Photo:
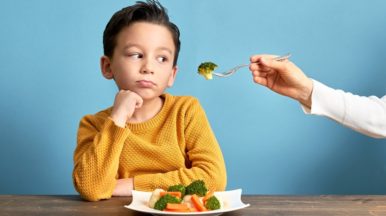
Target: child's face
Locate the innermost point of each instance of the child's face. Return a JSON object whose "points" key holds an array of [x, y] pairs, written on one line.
{"points": [[142, 61]]}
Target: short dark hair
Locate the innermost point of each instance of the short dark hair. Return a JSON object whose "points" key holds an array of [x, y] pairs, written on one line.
{"points": [[150, 11]]}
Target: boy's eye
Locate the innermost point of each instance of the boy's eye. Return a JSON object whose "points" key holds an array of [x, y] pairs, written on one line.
{"points": [[162, 59], [135, 55]]}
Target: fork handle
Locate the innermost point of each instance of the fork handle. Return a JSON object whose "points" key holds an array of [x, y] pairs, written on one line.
{"points": [[283, 57]]}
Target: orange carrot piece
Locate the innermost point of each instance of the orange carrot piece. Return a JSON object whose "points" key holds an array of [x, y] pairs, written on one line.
{"points": [[181, 210], [177, 210], [173, 193], [193, 209], [177, 206], [197, 203]]}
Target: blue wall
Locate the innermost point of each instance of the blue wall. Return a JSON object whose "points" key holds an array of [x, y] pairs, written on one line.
{"points": [[50, 78]]}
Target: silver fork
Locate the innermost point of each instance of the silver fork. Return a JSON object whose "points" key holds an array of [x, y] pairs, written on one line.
{"points": [[233, 70]]}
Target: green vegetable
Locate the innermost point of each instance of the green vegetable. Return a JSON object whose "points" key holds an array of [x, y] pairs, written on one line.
{"points": [[161, 203], [197, 187], [179, 188], [206, 69], [212, 203]]}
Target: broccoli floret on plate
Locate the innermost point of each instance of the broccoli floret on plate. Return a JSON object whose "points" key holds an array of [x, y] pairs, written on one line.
{"points": [[197, 187], [212, 203], [206, 69], [179, 188], [161, 203]]}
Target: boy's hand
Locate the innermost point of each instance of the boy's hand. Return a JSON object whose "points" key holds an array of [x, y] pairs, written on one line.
{"points": [[124, 187], [124, 106]]}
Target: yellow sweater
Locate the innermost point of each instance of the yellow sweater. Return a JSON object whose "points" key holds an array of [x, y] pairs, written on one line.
{"points": [[175, 146]]}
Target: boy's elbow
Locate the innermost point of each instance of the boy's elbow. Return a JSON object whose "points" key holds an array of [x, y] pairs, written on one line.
{"points": [[217, 181], [222, 183], [222, 176], [90, 197], [90, 192]]}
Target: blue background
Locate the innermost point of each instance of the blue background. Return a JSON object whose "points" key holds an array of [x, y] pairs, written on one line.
{"points": [[50, 78]]}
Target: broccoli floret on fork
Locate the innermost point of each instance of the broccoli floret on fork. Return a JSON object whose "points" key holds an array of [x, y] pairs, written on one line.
{"points": [[206, 69]]}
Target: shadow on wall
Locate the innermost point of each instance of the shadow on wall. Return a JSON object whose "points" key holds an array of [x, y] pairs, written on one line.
{"points": [[357, 165]]}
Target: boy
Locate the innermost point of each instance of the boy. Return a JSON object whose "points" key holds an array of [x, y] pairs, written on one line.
{"points": [[148, 139]]}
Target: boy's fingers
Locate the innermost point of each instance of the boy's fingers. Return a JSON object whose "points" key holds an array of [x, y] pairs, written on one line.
{"points": [[138, 105], [139, 102]]}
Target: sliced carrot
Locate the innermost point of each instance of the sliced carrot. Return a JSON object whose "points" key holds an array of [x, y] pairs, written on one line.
{"points": [[193, 209], [177, 210], [197, 203], [207, 196], [177, 206], [173, 193]]}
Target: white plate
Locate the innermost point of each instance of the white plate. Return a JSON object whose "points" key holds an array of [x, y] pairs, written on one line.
{"points": [[232, 202]]}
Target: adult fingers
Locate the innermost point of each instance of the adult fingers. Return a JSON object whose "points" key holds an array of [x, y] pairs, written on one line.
{"points": [[273, 64], [257, 58], [260, 80]]}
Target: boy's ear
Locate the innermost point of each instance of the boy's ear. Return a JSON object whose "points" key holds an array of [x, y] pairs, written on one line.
{"points": [[172, 76], [106, 67]]}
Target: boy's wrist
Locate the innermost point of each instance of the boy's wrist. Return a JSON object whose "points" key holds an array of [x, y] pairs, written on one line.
{"points": [[120, 122]]}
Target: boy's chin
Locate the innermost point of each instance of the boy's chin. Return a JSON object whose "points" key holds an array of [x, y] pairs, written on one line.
{"points": [[148, 96]]}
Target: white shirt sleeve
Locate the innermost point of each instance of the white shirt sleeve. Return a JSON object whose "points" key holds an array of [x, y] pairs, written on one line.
{"points": [[366, 115]]}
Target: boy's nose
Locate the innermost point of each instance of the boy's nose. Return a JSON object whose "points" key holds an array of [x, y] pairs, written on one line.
{"points": [[147, 68]]}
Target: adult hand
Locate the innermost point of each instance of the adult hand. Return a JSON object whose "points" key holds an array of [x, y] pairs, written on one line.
{"points": [[283, 77]]}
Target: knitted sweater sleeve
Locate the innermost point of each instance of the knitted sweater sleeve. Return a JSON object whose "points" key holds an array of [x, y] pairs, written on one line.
{"points": [[203, 154], [96, 157]]}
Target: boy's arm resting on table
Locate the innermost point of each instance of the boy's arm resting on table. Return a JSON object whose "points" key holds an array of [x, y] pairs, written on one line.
{"points": [[366, 115], [96, 158], [202, 150]]}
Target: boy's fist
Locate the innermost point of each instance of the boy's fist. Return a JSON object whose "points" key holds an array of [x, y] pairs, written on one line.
{"points": [[124, 106]]}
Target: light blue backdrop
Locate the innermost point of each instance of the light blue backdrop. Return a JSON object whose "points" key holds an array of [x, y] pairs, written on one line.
{"points": [[50, 78]]}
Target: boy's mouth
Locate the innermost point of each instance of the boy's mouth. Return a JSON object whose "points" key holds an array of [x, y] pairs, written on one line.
{"points": [[145, 83]]}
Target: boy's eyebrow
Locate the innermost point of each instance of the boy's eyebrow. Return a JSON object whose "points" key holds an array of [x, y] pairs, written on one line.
{"points": [[127, 46], [166, 49]]}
